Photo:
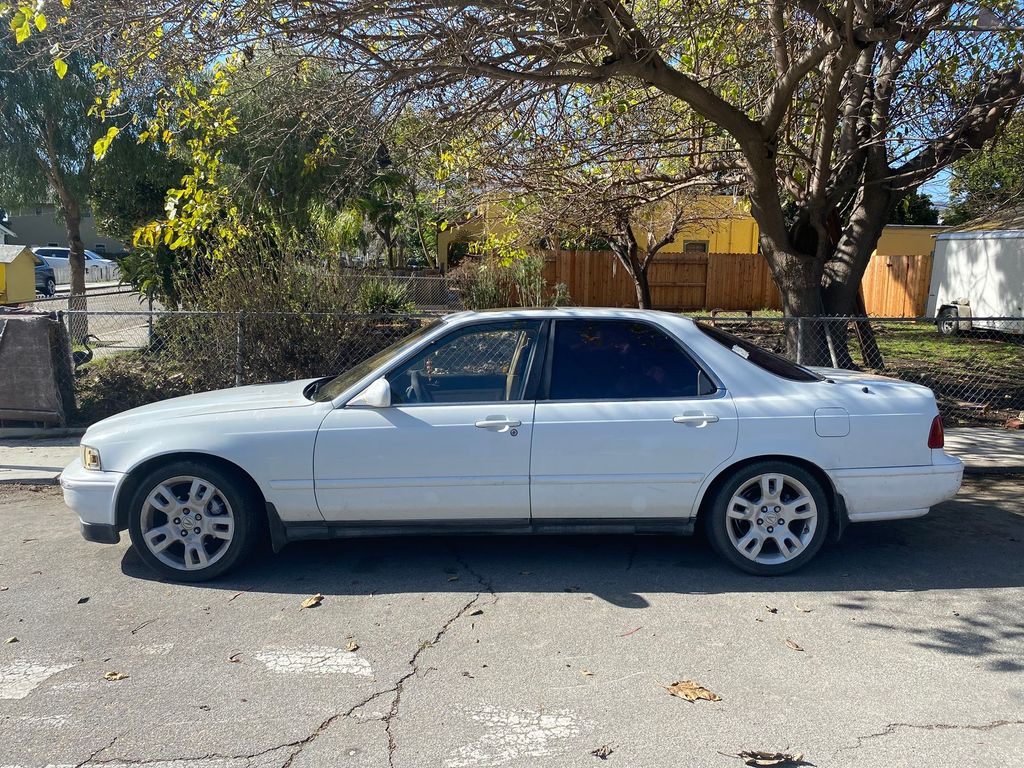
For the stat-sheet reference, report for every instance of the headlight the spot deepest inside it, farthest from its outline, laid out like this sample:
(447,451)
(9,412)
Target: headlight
(91,458)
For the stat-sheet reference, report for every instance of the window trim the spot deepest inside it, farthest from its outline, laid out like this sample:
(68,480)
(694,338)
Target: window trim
(544,396)
(532,381)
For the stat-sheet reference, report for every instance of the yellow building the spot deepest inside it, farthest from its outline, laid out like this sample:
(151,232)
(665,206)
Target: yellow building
(908,239)
(17,274)
(727,227)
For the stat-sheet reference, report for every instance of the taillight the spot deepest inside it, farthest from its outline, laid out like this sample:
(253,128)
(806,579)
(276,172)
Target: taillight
(936,437)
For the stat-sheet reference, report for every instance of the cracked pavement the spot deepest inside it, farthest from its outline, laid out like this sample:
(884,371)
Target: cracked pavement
(517,651)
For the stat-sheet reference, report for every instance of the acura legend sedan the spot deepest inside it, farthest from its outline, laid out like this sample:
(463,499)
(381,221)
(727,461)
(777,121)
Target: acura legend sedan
(521,421)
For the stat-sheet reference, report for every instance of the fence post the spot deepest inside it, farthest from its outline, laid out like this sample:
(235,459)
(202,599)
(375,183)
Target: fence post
(239,346)
(149,321)
(799,341)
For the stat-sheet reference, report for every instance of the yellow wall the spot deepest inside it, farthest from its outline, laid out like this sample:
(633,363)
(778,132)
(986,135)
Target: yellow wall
(18,279)
(730,229)
(908,240)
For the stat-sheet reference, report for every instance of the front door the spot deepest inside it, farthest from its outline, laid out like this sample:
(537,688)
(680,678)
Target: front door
(630,426)
(455,443)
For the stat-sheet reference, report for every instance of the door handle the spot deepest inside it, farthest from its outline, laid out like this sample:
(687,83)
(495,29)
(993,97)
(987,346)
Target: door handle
(498,423)
(695,418)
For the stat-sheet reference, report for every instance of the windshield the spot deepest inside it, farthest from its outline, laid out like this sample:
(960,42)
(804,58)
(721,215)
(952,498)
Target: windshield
(760,357)
(331,389)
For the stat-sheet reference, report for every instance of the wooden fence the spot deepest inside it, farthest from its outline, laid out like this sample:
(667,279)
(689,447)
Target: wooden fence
(894,286)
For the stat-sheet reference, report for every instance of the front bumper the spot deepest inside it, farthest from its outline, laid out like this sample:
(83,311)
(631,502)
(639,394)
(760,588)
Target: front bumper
(91,494)
(896,493)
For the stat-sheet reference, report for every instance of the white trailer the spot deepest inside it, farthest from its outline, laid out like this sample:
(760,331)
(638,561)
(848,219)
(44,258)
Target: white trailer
(977,275)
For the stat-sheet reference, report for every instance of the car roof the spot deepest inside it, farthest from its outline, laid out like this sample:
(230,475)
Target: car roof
(575,313)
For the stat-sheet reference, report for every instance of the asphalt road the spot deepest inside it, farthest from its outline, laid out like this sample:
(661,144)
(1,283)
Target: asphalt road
(517,651)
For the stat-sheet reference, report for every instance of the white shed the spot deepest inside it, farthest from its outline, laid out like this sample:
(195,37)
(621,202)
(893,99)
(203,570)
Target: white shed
(978,272)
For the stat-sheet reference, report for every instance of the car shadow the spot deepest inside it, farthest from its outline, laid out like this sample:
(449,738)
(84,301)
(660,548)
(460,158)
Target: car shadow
(975,541)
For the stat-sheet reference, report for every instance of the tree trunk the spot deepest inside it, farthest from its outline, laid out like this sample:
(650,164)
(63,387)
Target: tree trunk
(627,252)
(78,325)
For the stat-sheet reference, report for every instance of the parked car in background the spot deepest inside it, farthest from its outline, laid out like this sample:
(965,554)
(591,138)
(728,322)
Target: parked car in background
(95,265)
(519,421)
(46,281)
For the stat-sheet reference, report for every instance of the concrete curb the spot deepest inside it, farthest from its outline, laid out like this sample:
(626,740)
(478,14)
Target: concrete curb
(41,433)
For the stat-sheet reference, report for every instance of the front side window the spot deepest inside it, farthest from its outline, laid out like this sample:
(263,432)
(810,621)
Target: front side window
(487,363)
(621,360)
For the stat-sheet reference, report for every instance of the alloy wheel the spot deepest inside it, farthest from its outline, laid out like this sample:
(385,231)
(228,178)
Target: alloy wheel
(771,518)
(187,523)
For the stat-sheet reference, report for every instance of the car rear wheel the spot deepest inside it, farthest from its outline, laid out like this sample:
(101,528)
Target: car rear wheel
(769,518)
(51,286)
(192,522)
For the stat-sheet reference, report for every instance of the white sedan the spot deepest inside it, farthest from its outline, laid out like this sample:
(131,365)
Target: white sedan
(515,421)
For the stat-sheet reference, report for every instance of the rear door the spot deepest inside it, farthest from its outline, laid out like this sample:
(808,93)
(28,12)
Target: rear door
(628,424)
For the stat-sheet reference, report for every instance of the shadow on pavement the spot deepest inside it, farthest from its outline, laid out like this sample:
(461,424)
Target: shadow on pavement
(974,541)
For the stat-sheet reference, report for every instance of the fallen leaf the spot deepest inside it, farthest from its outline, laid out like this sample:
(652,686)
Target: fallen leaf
(586,673)
(603,751)
(765,759)
(4,588)
(477,612)
(235,658)
(771,609)
(312,602)
(83,600)
(453,578)
(792,646)
(352,646)
(10,640)
(237,594)
(631,632)
(115,676)
(803,610)
(691,691)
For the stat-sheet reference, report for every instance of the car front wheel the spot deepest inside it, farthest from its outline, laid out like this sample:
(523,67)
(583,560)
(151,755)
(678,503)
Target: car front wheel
(192,522)
(51,286)
(769,518)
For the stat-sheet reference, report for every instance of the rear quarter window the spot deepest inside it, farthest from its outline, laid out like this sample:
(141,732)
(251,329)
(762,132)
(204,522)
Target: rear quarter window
(762,358)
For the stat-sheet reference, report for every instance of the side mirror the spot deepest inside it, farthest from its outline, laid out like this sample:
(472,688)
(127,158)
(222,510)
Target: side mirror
(377,395)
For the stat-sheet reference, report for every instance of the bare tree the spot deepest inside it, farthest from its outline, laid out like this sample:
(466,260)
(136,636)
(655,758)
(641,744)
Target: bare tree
(587,177)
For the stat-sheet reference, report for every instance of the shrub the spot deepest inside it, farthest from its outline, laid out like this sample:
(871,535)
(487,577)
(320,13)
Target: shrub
(380,296)
(490,284)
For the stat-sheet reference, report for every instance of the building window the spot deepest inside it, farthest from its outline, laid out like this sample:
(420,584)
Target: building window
(100,248)
(39,211)
(695,246)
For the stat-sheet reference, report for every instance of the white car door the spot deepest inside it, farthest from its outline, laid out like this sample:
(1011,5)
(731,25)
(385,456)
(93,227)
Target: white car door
(627,426)
(455,443)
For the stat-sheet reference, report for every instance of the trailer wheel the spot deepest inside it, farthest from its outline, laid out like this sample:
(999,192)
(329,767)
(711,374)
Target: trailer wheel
(948,322)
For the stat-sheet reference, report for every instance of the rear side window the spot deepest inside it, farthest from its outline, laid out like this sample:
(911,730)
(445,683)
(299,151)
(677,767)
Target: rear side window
(762,358)
(621,360)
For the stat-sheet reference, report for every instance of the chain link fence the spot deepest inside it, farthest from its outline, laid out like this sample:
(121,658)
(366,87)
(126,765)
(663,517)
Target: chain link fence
(133,356)
(975,367)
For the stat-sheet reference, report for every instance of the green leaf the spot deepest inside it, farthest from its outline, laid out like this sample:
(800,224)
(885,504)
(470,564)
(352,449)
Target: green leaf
(61,66)
(21,34)
(40,22)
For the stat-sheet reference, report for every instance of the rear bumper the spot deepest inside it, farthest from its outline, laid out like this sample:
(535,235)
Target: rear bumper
(91,495)
(896,493)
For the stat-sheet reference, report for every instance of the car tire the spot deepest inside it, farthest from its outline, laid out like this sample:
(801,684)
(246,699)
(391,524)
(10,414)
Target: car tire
(210,525)
(947,322)
(747,522)
(51,287)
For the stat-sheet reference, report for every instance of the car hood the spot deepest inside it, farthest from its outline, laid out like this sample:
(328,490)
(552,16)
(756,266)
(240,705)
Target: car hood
(252,398)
